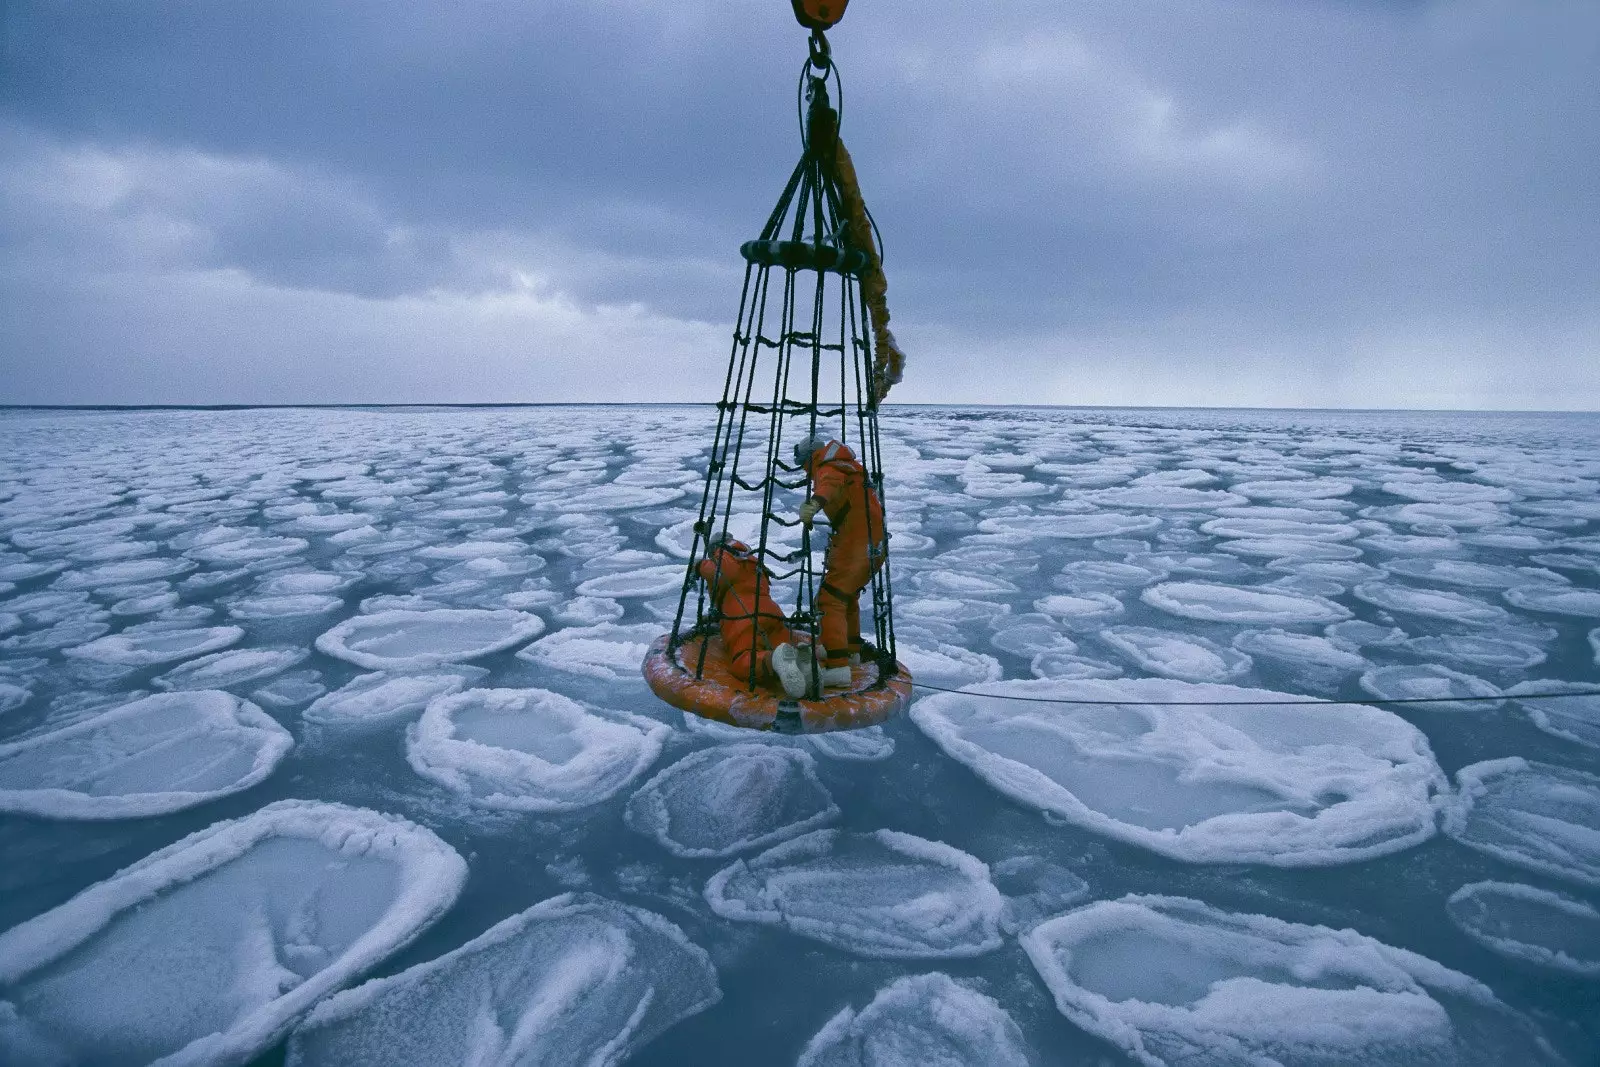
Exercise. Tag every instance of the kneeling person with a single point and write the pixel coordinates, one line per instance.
(759, 644)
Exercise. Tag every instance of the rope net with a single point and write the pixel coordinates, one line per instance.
(801, 368)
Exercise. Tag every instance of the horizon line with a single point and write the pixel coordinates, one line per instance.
(471, 405)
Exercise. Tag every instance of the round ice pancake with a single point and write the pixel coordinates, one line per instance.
(1295, 785)
(1534, 815)
(1555, 600)
(645, 582)
(927, 1020)
(1252, 528)
(1574, 718)
(152, 756)
(235, 667)
(148, 648)
(732, 798)
(409, 640)
(207, 951)
(385, 697)
(574, 980)
(947, 665)
(1434, 491)
(884, 895)
(1175, 498)
(1294, 489)
(1433, 683)
(1289, 548)
(1248, 605)
(608, 652)
(1431, 604)
(1173, 982)
(1071, 527)
(1535, 926)
(123, 572)
(1174, 654)
(530, 749)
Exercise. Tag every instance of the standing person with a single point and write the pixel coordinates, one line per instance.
(841, 490)
(758, 641)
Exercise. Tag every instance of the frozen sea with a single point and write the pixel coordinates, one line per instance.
(322, 741)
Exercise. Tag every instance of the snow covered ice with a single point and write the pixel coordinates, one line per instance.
(151, 756)
(734, 798)
(1536, 816)
(1228, 781)
(1172, 982)
(927, 1020)
(208, 950)
(884, 894)
(1529, 925)
(205, 614)
(530, 749)
(573, 980)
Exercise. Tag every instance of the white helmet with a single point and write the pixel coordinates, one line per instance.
(807, 446)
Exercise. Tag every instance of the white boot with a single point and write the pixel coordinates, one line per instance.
(786, 665)
(836, 677)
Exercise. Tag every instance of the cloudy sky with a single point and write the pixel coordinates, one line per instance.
(1323, 203)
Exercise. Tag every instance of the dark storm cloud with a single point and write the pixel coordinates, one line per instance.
(1262, 184)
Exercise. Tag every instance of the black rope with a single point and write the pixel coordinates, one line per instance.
(1256, 703)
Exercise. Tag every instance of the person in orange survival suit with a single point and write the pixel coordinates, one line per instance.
(753, 628)
(840, 489)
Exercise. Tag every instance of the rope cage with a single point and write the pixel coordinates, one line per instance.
(801, 366)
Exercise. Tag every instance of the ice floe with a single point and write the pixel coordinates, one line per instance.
(207, 951)
(1435, 684)
(147, 648)
(576, 979)
(646, 582)
(384, 697)
(1572, 718)
(1492, 652)
(156, 755)
(1176, 655)
(223, 670)
(883, 894)
(608, 652)
(410, 640)
(1224, 782)
(946, 665)
(927, 1020)
(1532, 925)
(1289, 548)
(123, 572)
(1248, 605)
(1442, 492)
(1280, 529)
(732, 798)
(1071, 527)
(1174, 982)
(1431, 603)
(298, 605)
(530, 749)
(1555, 600)
(1534, 815)
(1163, 498)
(1299, 489)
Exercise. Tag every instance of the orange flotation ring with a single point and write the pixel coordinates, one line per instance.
(717, 695)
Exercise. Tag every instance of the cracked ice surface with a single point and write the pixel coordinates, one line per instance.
(1303, 554)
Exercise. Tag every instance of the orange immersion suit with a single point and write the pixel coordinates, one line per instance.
(855, 551)
(752, 623)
